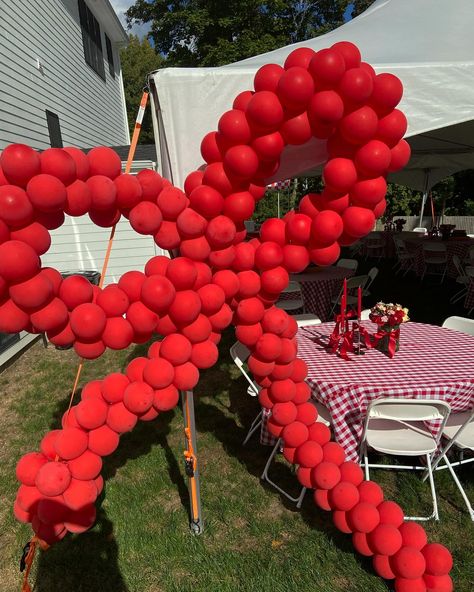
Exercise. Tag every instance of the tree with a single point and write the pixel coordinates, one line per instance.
(138, 59)
(216, 32)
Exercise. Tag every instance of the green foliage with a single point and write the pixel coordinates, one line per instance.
(213, 33)
(138, 59)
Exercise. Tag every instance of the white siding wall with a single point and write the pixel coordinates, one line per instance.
(91, 111)
(78, 244)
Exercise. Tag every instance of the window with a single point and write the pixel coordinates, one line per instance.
(91, 39)
(54, 130)
(110, 56)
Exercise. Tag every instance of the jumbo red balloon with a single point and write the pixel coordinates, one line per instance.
(19, 164)
(47, 193)
(264, 111)
(60, 164)
(104, 161)
(16, 209)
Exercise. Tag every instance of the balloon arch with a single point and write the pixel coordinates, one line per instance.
(217, 280)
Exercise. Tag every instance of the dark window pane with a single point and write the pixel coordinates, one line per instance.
(91, 38)
(110, 56)
(54, 130)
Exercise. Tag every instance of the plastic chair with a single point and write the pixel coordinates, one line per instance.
(436, 256)
(459, 431)
(307, 320)
(395, 427)
(420, 230)
(373, 273)
(462, 279)
(461, 324)
(405, 259)
(296, 301)
(323, 417)
(348, 263)
(352, 284)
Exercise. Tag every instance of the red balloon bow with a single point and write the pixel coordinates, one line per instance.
(217, 280)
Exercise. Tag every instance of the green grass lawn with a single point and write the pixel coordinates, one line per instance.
(254, 541)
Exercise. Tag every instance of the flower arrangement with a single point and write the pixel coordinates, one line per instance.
(388, 317)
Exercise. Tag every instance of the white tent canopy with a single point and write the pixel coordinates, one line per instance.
(428, 44)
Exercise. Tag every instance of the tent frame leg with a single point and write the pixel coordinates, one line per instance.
(191, 466)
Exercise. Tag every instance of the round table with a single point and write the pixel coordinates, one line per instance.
(433, 363)
(319, 286)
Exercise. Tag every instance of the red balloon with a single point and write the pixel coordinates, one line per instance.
(15, 207)
(166, 398)
(119, 418)
(80, 160)
(103, 441)
(358, 221)
(326, 107)
(28, 466)
(356, 85)
(438, 583)
(295, 258)
(413, 535)
(234, 128)
(248, 334)
(18, 261)
(104, 161)
(118, 333)
(324, 255)
(91, 413)
(182, 273)
(167, 236)
(70, 443)
(326, 228)
(382, 565)
(138, 397)
(301, 57)
(131, 283)
(75, 290)
(171, 202)
(142, 319)
(88, 322)
(368, 192)
(242, 99)
(392, 128)
(186, 376)
(19, 164)
(185, 307)
(371, 492)
(408, 563)
(207, 201)
(325, 475)
(220, 232)
(359, 540)
(78, 199)
(151, 184)
(241, 160)
(105, 218)
(190, 224)
(327, 68)
(297, 130)
(344, 496)
(176, 349)
(349, 52)
(113, 301)
(209, 148)
(128, 191)
(295, 88)
(269, 146)
(387, 93)
(268, 255)
(359, 126)
(309, 454)
(284, 414)
(364, 517)
(103, 192)
(60, 164)
(264, 111)
(274, 280)
(340, 174)
(385, 539)
(400, 155)
(33, 294)
(438, 559)
(46, 193)
(373, 158)
(53, 478)
(351, 472)
(249, 284)
(391, 513)
(239, 206)
(196, 248)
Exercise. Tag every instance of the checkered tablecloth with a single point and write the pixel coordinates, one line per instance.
(433, 363)
(454, 246)
(319, 287)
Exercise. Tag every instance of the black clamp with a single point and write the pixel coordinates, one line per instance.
(24, 555)
(189, 467)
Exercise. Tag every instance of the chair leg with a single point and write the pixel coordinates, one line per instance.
(297, 500)
(461, 489)
(256, 423)
(435, 514)
(366, 463)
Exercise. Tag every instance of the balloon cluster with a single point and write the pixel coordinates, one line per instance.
(217, 280)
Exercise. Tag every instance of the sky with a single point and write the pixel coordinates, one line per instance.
(120, 6)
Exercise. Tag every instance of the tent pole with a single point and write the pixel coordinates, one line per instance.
(425, 194)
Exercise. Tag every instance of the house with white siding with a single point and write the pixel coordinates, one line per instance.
(61, 85)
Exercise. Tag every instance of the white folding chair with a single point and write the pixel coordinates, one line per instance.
(307, 320)
(435, 257)
(461, 324)
(462, 279)
(459, 432)
(295, 302)
(323, 417)
(373, 273)
(374, 245)
(395, 427)
(348, 263)
(352, 284)
(420, 230)
(364, 315)
(239, 354)
(405, 259)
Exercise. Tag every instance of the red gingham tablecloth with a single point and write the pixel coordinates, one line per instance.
(433, 363)
(320, 286)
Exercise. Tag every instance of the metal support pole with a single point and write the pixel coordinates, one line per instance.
(425, 195)
(191, 462)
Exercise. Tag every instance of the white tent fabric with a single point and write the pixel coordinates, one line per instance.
(428, 44)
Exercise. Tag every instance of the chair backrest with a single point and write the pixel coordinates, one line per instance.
(400, 245)
(469, 271)
(420, 229)
(292, 287)
(239, 354)
(349, 263)
(458, 266)
(460, 324)
(407, 410)
(356, 281)
(364, 315)
(373, 273)
(434, 247)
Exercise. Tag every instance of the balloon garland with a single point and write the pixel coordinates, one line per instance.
(217, 280)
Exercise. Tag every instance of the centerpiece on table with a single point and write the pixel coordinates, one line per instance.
(388, 318)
